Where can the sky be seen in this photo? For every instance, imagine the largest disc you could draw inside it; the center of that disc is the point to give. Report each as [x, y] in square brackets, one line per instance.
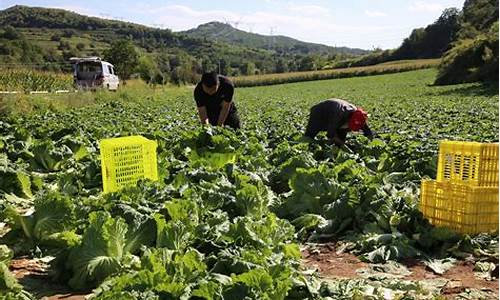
[365, 24]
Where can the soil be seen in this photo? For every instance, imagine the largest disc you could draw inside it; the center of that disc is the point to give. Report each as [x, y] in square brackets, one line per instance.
[326, 258]
[31, 273]
[331, 264]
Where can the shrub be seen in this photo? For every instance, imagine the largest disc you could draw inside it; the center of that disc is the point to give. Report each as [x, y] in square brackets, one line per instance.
[471, 60]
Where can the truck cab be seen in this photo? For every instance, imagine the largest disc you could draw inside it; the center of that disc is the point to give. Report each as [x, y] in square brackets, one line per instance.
[93, 73]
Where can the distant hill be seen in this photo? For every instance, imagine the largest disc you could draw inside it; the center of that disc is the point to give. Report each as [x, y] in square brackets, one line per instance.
[226, 33]
[47, 37]
[59, 21]
[41, 17]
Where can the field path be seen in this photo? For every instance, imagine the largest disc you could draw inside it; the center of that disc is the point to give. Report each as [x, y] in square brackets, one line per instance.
[334, 264]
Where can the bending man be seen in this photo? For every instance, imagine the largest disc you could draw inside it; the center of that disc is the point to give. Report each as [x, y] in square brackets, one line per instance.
[214, 99]
[337, 117]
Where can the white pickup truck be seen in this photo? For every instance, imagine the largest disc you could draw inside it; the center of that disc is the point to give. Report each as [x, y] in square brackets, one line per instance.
[93, 73]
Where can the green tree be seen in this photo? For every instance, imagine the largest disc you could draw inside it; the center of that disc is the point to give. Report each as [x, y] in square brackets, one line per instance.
[477, 17]
[55, 37]
[281, 66]
[147, 69]
[224, 67]
[80, 46]
[471, 60]
[474, 56]
[432, 41]
[11, 33]
[307, 64]
[68, 33]
[164, 68]
[123, 55]
[208, 64]
[64, 45]
[248, 68]
[185, 69]
[293, 64]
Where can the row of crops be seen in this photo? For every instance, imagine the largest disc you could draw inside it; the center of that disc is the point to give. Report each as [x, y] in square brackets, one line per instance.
[229, 226]
[384, 68]
[31, 80]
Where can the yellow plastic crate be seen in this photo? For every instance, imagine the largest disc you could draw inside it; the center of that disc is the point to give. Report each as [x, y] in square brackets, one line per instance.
[471, 163]
[463, 208]
[125, 160]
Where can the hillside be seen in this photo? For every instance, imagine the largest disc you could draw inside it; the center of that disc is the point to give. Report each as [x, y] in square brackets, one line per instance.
[33, 36]
[45, 25]
[226, 33]
[37, 17]
[465, 40]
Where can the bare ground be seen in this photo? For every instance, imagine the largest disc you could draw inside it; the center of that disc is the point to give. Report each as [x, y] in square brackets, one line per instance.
[332, 264]
[33, 276]
[324, 257]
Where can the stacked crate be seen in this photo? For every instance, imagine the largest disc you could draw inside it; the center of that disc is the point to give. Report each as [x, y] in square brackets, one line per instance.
[465, 195]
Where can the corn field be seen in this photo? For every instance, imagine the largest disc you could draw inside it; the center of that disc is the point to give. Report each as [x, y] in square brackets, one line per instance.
[30, 80]
[394, 67]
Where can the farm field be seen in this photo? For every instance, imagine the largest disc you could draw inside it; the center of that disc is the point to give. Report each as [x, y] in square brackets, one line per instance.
[14, 80]
[23, 80]
[255, 221]
[378, 69]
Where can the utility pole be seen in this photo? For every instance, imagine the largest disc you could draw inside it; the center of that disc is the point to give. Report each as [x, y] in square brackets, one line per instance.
[272, 38]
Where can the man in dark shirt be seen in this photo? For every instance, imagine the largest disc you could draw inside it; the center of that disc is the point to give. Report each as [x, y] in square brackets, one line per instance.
[214, 99]
[337, 117]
